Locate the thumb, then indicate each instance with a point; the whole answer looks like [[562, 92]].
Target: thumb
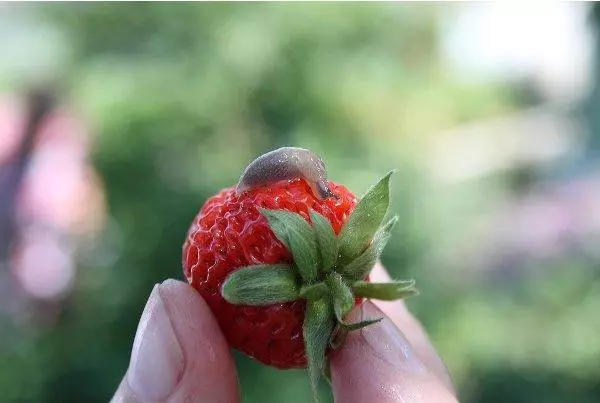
[[179, 353], [377, 364]]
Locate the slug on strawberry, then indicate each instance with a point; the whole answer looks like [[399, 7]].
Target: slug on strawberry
[[280, 262], [286, 163]]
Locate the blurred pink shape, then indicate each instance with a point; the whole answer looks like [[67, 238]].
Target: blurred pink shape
[[61, 187], [12, 127], [60, 197], [43, 266]]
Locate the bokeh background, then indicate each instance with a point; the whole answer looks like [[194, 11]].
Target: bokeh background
[[117, 121]]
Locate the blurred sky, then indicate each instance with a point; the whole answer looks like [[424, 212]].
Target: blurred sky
[[508, 41]]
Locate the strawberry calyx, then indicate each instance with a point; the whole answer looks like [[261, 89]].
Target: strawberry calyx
[[328, 271]]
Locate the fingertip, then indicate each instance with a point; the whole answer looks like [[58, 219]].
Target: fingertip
[[412, 329], [210, 373], [176, 286], [157, 359], [381, 341], [179, 352], [379, 273], [172, 281], [377, 363]]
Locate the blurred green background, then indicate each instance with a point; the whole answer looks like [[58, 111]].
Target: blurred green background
[[489, 113]]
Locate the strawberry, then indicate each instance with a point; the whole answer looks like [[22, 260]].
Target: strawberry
[[280, 266]]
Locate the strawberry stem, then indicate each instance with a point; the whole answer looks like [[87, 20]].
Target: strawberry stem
[[317, 331]]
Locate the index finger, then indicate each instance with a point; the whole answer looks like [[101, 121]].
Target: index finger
[[412, 329], [378, 364]]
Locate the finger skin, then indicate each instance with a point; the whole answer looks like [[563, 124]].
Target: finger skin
[[377, 364], [208, 372], [412, 329]]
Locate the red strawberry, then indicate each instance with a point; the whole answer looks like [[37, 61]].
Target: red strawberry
[[280, 267], [229, 233]]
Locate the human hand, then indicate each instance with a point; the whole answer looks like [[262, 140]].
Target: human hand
[[180, 355]]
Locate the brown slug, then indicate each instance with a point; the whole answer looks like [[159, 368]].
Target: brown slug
[[283, 164]]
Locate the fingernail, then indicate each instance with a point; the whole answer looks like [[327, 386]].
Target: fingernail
[[388, 343], [156, 359]]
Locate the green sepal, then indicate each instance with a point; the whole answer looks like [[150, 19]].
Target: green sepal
[[261, 285], [385, 291], [364, 220], [362, 265], [339, 335], [328, 243], [327, 373], [314, 291], [341, 295], [298, 236], [317, 329], [349, 327]]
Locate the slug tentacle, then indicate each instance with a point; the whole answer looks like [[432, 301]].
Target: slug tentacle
[[284, 164]]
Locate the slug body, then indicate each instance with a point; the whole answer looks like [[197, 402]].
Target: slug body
[[284, 164]]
